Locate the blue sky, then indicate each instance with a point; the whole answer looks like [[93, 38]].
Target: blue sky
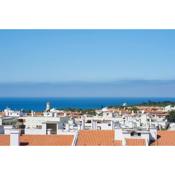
[[97, 58]]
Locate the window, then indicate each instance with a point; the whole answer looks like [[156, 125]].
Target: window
[[39, 126], [132, 133], [89, 121], [139, 134]]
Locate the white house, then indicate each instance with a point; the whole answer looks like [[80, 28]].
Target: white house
[[50, 113], [169, 108], [44, 125], [147, 135], [11, 113]]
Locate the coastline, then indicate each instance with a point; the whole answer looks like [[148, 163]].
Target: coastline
[[38, 103]]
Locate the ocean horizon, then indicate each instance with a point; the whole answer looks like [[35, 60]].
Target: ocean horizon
[[39, 103]]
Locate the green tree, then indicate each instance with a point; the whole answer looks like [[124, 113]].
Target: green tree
[[135, 109], [171, 116]]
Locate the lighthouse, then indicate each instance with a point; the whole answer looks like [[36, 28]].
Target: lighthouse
[[48, 106]]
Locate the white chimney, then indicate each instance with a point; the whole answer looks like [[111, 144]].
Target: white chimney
[[153, 134], [67, 127], [147, 142], [14, 137]]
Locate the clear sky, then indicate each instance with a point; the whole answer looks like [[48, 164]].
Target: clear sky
[[94, 56]]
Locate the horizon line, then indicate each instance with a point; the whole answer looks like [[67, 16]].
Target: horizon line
[[81, 97], [92, 81]]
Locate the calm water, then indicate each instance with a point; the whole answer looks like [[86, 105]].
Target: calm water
[[38, 104]]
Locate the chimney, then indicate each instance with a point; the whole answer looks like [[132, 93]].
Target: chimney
[[147, 142], [67, 127], [14, 137], [153, 134]]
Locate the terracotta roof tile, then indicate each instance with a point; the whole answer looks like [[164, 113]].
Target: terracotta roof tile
[[89, 138], [117, 143], [96, 138], [135, 142], [4, 140], [46, 140], [165, 138], [39, 140]]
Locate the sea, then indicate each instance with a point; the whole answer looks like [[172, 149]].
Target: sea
[[39, 104]]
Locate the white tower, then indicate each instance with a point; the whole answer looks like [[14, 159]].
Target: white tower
[[47, 106]]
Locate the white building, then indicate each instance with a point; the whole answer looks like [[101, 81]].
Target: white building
[[50, 113], [11, 113], [147, 135], [97, 122], [169, 108], [0, 120], [44, 125], [108, 120]]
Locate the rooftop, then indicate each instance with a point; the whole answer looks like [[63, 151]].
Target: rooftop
[[89, 138], [135, 142], [165, 138], [39, 140], [97, 138]]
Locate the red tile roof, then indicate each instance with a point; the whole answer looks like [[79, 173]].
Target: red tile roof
[[88, 138], [135, 142], [40, 140], [165, 138], [104, 138], [46, 140], [96, 138], [117, 143], [4, 140]]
